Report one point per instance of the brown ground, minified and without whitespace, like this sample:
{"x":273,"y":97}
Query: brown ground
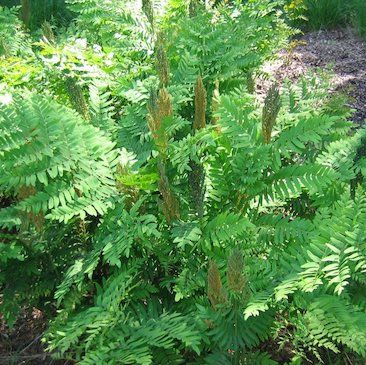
{"x":341,"y":50}
{"x":22,"y":345}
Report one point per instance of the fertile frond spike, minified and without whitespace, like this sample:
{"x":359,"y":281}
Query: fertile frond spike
{"x":159,"y":108}
{"x":48,"y":32}
{"x":271,"y":108}
{"x":200,"y":102}
{"x":170,"y":202}
{"x":214,"y":285}
{"x":77,"y":97}
{"x":4,"y":49}
{"x":148,"y":10}
{"x":235,"y":277}
{"x":360,"y":154}
{"x":162,"y":63}
{"x":196,"y":179}
{"x":193,"y":6}
{"x":152,"y":103}
{"x":250,"y":82}
{"x":165,"y":107}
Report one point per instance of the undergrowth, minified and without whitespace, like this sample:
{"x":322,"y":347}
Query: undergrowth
{"x":312,"y":15}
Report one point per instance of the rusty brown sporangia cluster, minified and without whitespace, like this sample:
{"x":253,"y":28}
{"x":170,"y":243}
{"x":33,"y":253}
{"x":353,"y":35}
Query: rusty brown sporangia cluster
{"x":215,"y":291}
{"x":4,"y":49}
{"x":193,"y":7}
{"x":200,"y":104}
{"x":271,"y":108}
{"x":236,"y":280}
{"x":161,"y":63}
{"x":196,"y":176}
{"x":29,"y":217}
{"x":159,"y":110}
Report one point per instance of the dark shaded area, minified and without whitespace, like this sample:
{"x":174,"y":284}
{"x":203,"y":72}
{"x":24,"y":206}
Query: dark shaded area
{"x":22,"y":344}
{"x":9,"y":3}
{"x":54,"y":11}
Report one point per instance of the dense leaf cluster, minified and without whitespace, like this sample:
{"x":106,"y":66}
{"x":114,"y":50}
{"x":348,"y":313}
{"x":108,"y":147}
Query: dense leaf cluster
{"x":160,"y":210}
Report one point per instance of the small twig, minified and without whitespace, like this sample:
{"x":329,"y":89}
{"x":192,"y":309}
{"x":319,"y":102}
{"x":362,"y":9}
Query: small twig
{"x":348,"y":359}
{"x":31,"y":343}
{"x":24,"y":357}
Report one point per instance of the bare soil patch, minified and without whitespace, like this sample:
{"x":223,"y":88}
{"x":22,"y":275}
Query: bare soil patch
{"x":341,"y":50}
{"x":21,"y":345}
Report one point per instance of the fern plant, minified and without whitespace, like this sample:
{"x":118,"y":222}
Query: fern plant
{"x":48,"y":155}
{"x":11,"y":33}
{"x":187,"y":220}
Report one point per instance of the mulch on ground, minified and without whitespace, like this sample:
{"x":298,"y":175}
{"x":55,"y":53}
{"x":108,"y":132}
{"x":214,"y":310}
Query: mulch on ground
{"x":343,"y":51}
{"x":21,"y":345}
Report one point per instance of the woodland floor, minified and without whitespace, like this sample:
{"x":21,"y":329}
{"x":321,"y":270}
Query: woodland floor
{"x":342,"y":50}
{"x":22,"y":344}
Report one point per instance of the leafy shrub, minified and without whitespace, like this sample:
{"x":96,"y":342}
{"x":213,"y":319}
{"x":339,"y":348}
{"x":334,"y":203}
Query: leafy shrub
{"x":11,"y":33}
{"x":36,"y":12}
{"x":168,"y":213}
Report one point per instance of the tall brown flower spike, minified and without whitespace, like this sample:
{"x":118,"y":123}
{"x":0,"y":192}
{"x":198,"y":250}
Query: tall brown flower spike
{"x":148,"y":10}
{"x":214,"y":285}
{"x":170,"y":203}
{"x":250,"y":82}
{"x":77,"y":97}
{"x":271,"y":108}
{"x":4,"y":50}
{"x":162,"y":63}
{"x":196,"y":179}
{"x":196,"y":176}
{"x":193,"y":6}
{"x":159,"y":107}
{"x":200,"y":102}
{"x":48,"y":32}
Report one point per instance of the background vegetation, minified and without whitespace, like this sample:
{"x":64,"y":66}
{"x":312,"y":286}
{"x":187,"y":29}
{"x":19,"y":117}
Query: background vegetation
{"x":328,"y":14}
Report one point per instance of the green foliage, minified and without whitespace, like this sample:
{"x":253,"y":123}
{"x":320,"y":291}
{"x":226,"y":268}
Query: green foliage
{"x":11,"y":34}
{"x":359,"y":16}
{"x":327,"y":14}
{"x":54,"y":163}
{"x":168,"y":213}
{"x":324,"y":14}
{"x":331,"y":320}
